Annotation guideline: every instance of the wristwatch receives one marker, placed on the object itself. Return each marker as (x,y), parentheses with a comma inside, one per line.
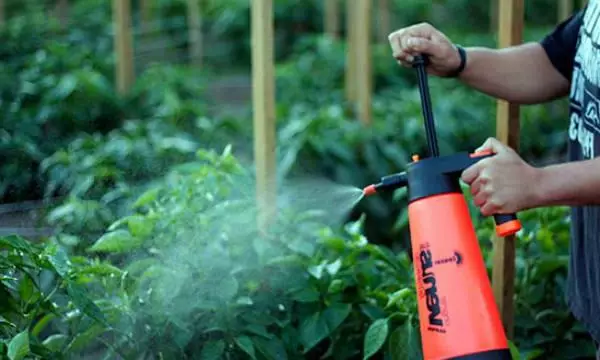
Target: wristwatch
(463,61)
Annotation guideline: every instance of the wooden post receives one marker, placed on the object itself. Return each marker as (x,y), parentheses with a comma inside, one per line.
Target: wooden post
(332,18)
(565,8)
(510,32)
(350,50)
(195,32)
(263,98)
(123,45)
(384,20)
(364,74)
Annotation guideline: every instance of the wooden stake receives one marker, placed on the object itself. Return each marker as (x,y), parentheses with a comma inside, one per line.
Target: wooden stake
(123,45)
(332,18)
(565,8)
(364,76)
(510,32)
(263,97)
(195,32)
(384,20)
(350,50)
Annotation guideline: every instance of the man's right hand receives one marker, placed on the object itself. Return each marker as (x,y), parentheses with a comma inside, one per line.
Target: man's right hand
(425,39)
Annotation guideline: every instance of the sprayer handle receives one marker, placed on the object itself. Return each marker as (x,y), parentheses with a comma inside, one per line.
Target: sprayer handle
(420,60)
(507,224)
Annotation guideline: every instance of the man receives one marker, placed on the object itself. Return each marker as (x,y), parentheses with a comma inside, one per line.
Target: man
(565,62)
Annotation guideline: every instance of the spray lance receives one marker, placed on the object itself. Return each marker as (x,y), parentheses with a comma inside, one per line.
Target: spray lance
(458,316)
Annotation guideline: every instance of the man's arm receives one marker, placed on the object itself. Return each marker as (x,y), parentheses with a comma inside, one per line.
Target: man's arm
(528,73)
(569,184)
(521,74)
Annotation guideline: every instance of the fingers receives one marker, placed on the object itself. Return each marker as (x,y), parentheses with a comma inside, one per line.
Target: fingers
(493,145)
(490,208)
(407,42)
(473,172)
(477,185)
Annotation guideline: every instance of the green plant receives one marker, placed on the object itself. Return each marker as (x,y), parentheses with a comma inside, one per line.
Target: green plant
(54,85)
(201,278)
(46,307)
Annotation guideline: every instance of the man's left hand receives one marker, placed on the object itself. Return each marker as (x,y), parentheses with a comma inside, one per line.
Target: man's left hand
(503,183)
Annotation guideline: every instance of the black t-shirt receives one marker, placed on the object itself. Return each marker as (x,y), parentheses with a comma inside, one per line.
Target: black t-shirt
(574,49)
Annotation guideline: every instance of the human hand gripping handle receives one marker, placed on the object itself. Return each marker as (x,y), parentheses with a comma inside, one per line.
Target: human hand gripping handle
(506,224)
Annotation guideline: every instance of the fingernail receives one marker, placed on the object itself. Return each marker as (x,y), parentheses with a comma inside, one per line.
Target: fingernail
(409,58)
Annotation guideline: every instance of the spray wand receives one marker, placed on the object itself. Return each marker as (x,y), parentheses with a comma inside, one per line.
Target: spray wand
(458,315)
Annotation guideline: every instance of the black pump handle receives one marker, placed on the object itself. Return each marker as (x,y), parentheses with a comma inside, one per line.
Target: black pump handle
(420,63)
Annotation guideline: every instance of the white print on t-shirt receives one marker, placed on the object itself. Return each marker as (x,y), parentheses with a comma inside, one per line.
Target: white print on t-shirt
(585,94)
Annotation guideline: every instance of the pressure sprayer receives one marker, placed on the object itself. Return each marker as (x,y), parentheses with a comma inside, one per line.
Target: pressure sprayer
(458,316)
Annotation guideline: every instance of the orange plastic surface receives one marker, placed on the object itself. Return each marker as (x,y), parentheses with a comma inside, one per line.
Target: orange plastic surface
(369,190)
(482,153)
(457,311)
(508,228)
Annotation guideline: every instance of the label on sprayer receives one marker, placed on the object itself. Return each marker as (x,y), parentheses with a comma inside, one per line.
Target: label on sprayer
(438,314)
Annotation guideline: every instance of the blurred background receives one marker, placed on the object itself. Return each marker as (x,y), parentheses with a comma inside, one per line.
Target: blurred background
(81,141)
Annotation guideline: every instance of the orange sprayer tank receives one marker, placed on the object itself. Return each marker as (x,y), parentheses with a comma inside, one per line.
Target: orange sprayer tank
(457,311)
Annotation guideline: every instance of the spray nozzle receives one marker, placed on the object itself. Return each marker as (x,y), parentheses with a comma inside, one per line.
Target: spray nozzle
(390,182)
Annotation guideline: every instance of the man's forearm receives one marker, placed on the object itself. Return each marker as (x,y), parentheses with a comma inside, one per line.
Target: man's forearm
(521,74)
(568,184)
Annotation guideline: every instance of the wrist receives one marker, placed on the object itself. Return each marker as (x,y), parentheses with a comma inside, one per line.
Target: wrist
(544,187)
(460,61)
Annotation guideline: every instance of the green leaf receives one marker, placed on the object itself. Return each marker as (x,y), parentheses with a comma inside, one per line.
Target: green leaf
(397,297)
(42,323)
(321,324)
(140,226)
(212,350)
(306,295)
(245,343)
(55,342)
(514,351)
(312,330)
(375,337)
(18,347)
(83,339)
(147,197)
(272,349)
(335,315)
(14,242)
(404,343)
(83,302)
(59,259)
(117,241)
(28,290)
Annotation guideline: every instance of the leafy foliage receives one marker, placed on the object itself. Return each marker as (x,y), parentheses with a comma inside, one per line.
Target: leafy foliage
(157,253)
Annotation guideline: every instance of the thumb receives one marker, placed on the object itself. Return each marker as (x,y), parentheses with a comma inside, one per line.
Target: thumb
(494,145)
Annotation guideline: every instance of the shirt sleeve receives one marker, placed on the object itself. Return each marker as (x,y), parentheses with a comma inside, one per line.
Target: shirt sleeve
(561,43)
